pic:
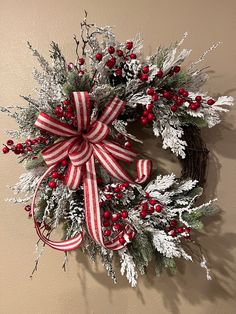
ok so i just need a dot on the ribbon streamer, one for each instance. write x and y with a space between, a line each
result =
82 147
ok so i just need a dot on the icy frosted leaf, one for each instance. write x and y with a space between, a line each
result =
128 267
161 183
186 186
172 139
171 59
139 98
168 246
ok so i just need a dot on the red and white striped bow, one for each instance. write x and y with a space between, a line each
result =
83 146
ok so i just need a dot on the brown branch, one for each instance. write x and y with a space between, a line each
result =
195 162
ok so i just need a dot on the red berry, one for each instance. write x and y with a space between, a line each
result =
117 226
150 107
166 95
173 108
55 175
198 98
187 229
172 233
106 223
10 142
116 189
143 77
145 206
52 184
34 141
155 97
28 142
133 56
185 94
122 240
193 106
180 229
5 150
158 208
111 50
124 214
119 195
173 223
159 74
27 208
127 145
146 69
120 53
151 209
58 111
98 56
66 102
110 63
64 162
181 91
129 45
106 214
81 61
176 69
118 72
19 146
150 117
210 102
180 101
108 196
145 113
150 91
107 232
152 201
126 185
115 217
143 121
143 214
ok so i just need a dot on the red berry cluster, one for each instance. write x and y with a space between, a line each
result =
58 175
148 115
113 220
23 148
116 55
175 230
149 207
115 193
67 111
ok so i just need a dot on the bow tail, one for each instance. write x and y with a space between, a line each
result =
73 176
65 245
92 210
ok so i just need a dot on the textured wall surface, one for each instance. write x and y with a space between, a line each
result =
85 287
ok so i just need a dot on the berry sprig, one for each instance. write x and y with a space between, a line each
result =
114 215
23 148
149 207
58 175
66 111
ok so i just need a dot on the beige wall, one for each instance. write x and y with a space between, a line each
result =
85 288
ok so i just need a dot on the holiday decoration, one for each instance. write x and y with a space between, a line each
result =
78 145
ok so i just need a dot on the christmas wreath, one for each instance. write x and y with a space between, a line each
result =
79 135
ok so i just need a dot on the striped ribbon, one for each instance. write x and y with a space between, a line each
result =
82 147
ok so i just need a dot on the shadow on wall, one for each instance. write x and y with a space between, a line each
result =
190 281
